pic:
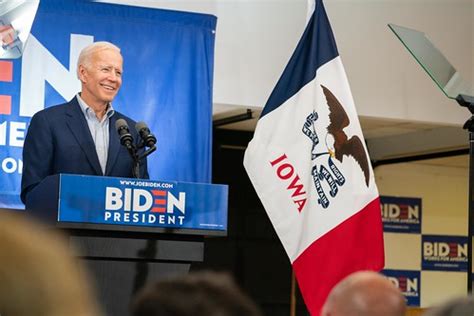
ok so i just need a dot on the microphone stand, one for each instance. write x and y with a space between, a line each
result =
133 151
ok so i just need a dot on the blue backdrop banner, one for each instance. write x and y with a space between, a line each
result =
167 82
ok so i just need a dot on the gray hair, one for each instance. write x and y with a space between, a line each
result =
461 306
86 53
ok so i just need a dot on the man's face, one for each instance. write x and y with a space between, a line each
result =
102 78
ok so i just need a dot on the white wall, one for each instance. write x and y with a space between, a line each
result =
386 81
442 187
255 39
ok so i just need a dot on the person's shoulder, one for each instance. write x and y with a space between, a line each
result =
54 110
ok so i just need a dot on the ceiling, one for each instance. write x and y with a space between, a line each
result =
385 138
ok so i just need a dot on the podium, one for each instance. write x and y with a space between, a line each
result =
131 231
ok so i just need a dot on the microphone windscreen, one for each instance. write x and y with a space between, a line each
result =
140 125
120 123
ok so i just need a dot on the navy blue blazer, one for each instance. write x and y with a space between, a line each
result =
59 141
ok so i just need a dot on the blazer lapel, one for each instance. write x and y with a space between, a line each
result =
114 145
78 125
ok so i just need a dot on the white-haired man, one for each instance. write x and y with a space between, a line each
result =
78 137
364 293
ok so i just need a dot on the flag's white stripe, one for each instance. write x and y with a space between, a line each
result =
310 6
280 132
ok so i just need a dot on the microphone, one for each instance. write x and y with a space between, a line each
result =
126 138
148 138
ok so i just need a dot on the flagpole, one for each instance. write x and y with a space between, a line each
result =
293 294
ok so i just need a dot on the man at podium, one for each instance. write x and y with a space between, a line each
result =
78 137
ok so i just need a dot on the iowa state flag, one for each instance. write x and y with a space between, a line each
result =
310 168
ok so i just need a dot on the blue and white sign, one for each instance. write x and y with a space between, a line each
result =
167 82
444 253
409 283
121 201
401 214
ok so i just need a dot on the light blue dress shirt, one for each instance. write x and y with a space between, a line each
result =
99 130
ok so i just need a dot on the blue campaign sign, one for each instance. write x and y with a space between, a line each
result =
401 214
409 283
444 253
167 82
132 202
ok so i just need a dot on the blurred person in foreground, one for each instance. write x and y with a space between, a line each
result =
462 306
195 294
364 293
38 275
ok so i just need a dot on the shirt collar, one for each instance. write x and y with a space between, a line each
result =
89 113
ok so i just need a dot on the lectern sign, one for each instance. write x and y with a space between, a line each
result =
119 201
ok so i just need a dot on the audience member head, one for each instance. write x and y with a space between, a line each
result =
364 293
195 294
463 306
38 276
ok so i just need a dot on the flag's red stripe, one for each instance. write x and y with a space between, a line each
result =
356 244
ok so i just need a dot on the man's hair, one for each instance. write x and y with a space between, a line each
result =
195 294
365 293
463 306
87 52
38 275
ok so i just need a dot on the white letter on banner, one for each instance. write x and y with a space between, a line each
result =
394 211
3 133
428 249
413 212
137 194
39 65
9 165
113 199
17 134
443 250
127 200
173 201
462 250
412 285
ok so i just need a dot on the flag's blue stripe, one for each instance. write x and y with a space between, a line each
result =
315 48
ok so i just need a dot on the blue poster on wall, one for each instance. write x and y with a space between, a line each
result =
401 214
409 283
167 82
444 253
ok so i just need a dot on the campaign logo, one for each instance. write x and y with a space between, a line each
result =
444 253
401 214
34 76
144 206
408 282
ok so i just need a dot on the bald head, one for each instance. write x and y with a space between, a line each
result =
364 293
